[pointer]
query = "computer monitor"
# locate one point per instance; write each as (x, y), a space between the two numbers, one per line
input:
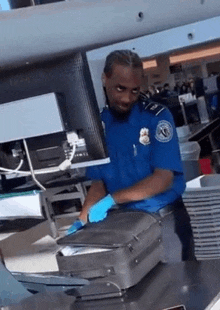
(52, 107)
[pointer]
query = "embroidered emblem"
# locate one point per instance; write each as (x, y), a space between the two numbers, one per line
(164, 131)
(144, 136)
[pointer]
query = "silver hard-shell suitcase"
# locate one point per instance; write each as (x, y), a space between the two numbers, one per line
(114, 254)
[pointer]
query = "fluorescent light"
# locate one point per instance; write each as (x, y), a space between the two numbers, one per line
(195, 55)
(149, 64)
(4, 5)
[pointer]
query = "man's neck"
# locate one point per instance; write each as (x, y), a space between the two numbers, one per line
(121, 117)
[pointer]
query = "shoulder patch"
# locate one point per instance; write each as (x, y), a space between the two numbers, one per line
(154, 108)
(164, 131)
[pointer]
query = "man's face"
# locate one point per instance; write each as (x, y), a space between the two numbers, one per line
(123, 87)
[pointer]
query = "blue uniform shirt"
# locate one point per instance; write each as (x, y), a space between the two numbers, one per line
(145, 141)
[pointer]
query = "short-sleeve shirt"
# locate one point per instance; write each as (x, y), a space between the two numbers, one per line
(146, 140)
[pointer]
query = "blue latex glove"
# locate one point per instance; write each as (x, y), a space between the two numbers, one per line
(154, 204)
(77, 225)
(99, 210)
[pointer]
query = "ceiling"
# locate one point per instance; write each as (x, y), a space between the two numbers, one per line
(43, 31)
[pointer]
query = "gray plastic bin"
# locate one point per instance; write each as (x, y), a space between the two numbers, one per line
(210, 181)
(190, 152)
(202, 201)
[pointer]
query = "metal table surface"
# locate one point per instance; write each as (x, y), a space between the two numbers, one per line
(193, 284)
(201, 131)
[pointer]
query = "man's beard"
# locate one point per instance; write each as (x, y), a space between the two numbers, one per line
(120, 116)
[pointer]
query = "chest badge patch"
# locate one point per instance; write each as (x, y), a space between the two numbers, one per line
(144, 136)
(164, 131)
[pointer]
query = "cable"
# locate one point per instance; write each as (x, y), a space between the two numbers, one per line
(13, 170)
(31, 167)
(40, 171)
(20, 165)
(73, 152)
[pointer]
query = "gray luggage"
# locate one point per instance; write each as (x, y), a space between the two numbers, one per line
(114, 254)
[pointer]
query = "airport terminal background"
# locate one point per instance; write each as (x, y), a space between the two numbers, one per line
(181, 73)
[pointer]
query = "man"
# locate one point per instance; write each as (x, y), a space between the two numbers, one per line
(145, 172)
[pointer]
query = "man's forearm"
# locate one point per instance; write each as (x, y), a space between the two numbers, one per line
(157, 183)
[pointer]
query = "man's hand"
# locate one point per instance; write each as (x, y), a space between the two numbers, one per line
(77, 225)
(99, 210)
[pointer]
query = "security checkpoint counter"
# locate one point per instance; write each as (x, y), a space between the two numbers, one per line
(194, 285)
